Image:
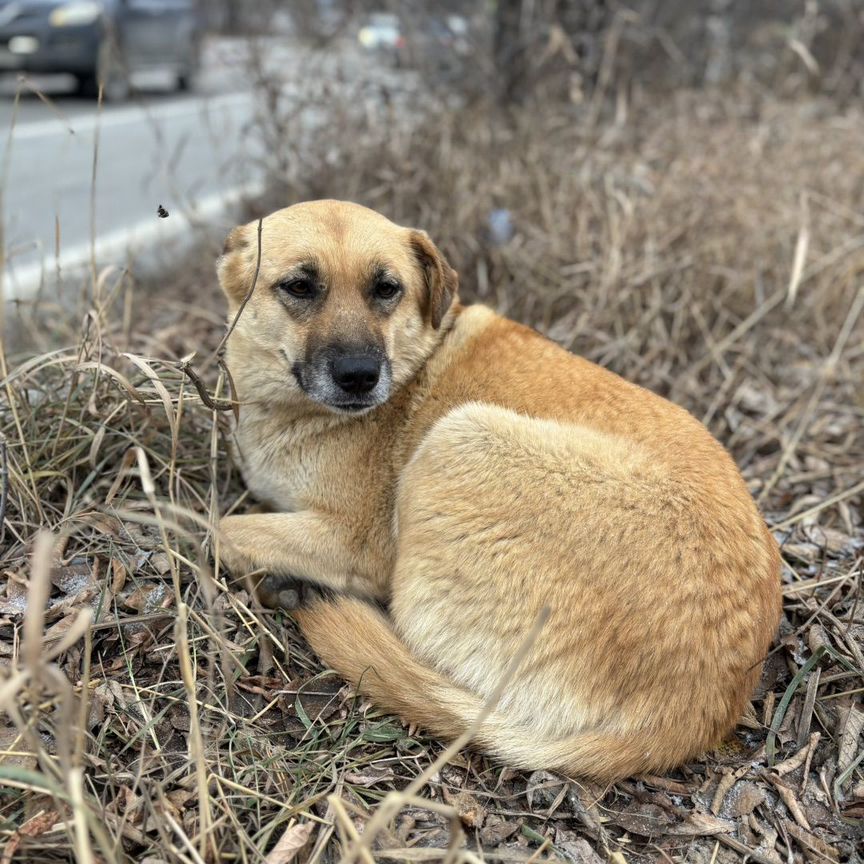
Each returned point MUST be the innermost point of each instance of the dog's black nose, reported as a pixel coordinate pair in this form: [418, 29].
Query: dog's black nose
[356, 374]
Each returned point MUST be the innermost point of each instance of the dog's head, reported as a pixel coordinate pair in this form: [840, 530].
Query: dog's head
[346, 306]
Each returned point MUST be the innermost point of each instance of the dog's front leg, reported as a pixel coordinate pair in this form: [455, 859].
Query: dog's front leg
[307, 546]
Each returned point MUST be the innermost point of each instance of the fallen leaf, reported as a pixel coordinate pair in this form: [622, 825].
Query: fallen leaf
[290, 843]
[576, 848]
[369, 776]
[830, 539]
[101, 699]
[118, 576]
[807, 552]
[75, 577]
[179, 797]
[161, 563]
[744, 798]
[146, 598]
[102, 523]
[471, 813]
[59, 629]
[543, 789]
[33, 827]
[811, 841]
[127, 804]
[15, 601]
[496, 831]
[851, 724]
[179, 717]
[793, 805]
[702, 824]
[853, 810]
[322, 700]
[727, 781]
[757, 400]
[646, 820]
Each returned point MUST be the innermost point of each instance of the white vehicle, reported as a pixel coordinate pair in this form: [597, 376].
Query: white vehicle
[382, 34]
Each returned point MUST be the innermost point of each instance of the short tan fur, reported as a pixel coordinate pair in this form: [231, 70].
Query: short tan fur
[486, 474]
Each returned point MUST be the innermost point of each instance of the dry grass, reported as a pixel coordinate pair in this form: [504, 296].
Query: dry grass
[710, 248]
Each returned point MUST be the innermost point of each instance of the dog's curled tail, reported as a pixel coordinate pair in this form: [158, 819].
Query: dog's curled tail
[356, 640]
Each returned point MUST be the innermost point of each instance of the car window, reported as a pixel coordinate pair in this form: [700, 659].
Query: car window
[161, 5]
[390, 22]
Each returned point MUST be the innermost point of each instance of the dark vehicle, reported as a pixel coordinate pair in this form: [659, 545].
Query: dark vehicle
[104, 41]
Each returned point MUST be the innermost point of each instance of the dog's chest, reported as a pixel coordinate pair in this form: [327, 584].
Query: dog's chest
[303, 467]
[278, 481]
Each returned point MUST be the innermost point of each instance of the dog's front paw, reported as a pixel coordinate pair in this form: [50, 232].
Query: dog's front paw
[285, 592]
[233, 553]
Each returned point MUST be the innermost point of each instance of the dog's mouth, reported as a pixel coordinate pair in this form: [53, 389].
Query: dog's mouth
[353, 407]
[340, 406]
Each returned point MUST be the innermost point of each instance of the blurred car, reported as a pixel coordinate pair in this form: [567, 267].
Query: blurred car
[101, 40]
[382, 35]
[445, 44]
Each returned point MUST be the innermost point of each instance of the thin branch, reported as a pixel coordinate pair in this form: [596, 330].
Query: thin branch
[221, 347]
[187, 369]
[4, 486]
[213, 404]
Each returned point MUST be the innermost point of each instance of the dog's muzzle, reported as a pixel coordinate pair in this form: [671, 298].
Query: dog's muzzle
[350, 383]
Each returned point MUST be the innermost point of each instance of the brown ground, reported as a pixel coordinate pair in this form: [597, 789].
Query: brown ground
[711, 248]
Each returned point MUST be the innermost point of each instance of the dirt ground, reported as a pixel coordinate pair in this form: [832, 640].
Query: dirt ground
[712, 251]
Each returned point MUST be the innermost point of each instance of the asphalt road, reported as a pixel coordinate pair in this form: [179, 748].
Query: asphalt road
[189, 154]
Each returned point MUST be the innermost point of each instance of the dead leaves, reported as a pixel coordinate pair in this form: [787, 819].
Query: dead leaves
[290, 843]
[370, 775]
[810, 841]
[469, 810]
[33, 827]
[788, 797]
[642, 818]
[851, 724]
[13, 749]
[577, 849]
[729, 800]
[105, 698]
[148, 597]
[745, 798]
[701, 825]
[74, 585]
[496, 831]
[85, 585]
[853, 809]
[654, 814]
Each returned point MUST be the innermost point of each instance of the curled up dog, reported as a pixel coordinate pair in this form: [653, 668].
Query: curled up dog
[462, 472]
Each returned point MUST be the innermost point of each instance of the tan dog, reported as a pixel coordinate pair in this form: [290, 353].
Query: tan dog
[468, 472]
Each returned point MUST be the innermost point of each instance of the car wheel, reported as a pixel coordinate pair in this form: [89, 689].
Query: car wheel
[86, 85]
[187, 78]
[110, 72]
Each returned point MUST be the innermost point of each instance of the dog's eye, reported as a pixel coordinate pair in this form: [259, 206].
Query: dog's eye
[301, 288]
[387, 290]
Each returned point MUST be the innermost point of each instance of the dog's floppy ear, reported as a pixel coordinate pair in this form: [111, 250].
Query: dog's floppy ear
[231, 266]
[441, 279]
[235, 240]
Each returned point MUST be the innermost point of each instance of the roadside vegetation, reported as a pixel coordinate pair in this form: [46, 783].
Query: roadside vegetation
[706, 243]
